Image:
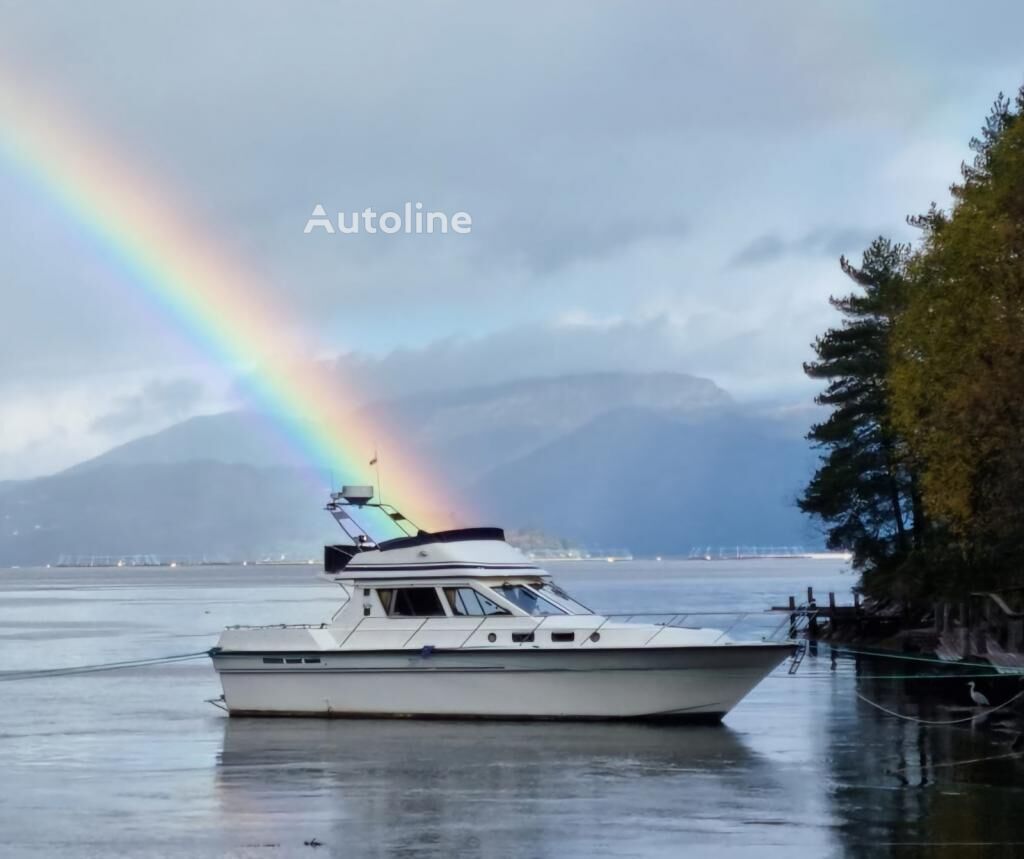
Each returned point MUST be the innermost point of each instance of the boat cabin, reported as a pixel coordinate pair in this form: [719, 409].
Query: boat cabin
[463, 572]
[522, 597]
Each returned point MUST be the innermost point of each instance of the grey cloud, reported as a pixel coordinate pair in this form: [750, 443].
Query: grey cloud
[546, 245]
[569, 134]
[709, 345]
[818, 242]
[608, 154]
[762, 249]
[159, 400]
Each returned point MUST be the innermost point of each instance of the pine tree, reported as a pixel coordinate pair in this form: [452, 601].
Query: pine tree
[863, 490]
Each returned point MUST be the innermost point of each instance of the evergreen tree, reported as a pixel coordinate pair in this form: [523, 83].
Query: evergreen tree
[863, 490]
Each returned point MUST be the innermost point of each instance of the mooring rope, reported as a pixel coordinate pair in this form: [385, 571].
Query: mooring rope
[971, 718]
[961, 762]
[71, 670]
[882, 654]
[817, 675]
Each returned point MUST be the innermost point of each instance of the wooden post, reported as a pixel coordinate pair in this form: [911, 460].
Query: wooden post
[792, 617]
[812, 615]
[982, 628]
[1015, 636]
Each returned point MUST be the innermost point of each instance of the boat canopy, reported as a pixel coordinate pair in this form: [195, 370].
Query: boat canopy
[458, 551]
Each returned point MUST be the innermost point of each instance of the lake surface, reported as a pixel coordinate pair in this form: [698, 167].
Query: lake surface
[134, 763]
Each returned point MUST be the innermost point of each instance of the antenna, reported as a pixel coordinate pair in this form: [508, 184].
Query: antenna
[375, 462]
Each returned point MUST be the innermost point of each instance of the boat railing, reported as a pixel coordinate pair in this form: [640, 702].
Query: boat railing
[766, 625]
[324, 625]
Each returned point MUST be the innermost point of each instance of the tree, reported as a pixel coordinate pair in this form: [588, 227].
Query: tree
[958, 357]
[863, 489]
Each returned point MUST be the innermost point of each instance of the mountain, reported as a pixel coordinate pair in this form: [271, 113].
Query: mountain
[233, 438]
[653, 462]
[658, 484]
[169, 509]
[473, 431]
[467, 431]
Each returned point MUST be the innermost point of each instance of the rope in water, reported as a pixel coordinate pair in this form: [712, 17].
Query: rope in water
[982, 714]
[882, 654]
[72, 670]
[961, 762]
[819, 674]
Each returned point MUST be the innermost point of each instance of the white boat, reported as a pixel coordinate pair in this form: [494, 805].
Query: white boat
[459, 624]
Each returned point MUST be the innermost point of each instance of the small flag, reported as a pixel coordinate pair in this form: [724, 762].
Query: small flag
[374, 460]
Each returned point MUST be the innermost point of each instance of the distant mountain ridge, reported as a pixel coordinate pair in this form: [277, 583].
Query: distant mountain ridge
[666, 486]
[508, 420]
[653, 462]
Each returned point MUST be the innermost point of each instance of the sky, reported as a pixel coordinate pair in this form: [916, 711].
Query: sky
[652, 186]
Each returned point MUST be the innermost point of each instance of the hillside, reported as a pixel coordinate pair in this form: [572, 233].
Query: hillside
[658, 484]
[656, 463]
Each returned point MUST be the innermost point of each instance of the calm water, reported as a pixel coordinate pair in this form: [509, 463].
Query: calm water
[134, 763]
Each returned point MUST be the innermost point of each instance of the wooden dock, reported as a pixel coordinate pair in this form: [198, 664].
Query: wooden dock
[984, 627]
[809, 618]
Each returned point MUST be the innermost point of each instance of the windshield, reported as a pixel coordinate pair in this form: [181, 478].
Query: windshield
[467, 602]
[529, 601]
[554, 593]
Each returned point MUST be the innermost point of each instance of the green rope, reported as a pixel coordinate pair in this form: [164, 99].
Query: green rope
[888, 654]
[990, 676]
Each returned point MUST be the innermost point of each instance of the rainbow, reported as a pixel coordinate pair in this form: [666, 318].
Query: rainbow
[219, 302]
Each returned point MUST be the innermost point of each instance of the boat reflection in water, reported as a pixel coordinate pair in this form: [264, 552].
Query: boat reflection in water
[486, 788]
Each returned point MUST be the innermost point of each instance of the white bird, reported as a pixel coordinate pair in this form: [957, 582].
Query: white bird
[977, 697]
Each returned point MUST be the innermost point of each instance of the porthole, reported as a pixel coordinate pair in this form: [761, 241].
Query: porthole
[595, 636]
[491, 637]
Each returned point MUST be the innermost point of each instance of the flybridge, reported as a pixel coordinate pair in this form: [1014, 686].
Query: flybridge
[416, 551]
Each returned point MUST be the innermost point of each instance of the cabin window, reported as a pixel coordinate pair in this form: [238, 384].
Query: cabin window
[529, 601]
[563, 636]
[385, 595]
[416, 602]
[554, 593]
[466, 602]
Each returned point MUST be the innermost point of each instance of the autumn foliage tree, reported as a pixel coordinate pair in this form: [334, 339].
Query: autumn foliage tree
[957, 373]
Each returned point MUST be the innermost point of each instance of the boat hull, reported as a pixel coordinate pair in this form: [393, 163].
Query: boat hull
[696, 684]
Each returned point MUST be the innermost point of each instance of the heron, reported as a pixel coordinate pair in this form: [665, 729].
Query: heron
[977, 697]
